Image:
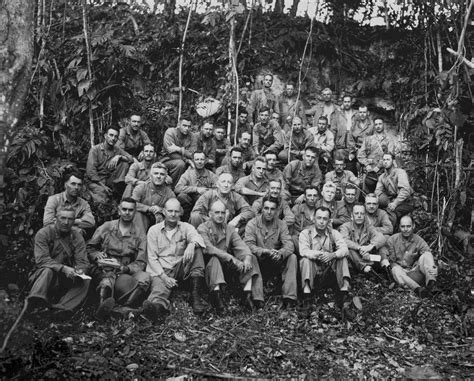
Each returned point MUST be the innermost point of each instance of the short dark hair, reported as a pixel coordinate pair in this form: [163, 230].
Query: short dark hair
[270, 152]
[350, 186]
[68, 174]
[159, 165]
[235, 149]
[311, 187]
[322, 117]
[313, 149]
[275, 200]
[323, 209]
[358, 204]
[115, 128]
[264, 109]
[260, 159]
[339, 155]
[389, 153]
[129, 200]
[199, 152]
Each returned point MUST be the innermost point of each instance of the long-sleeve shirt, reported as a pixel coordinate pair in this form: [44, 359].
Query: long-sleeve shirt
[250, 182]
[137, 172]
[360, 129]
[406, 252]
[360, 236]
[380, 221]
[330, 241]
[343, 213]
[129, 249]
[206, 145]
[323, 140]
[289, 107]
[340, 126]
[261, 98]
[298, 176]
[283, 211]
[98, 159]
[132, 143]
[304, 217]
[236, 173]
[54, 250]
[81, 207]
[373, 147]
[299, 141]
[395, 184]
[320, 109]
[187, 143]
[267, 137]
[235, 204]
[192, 179]
[222, 240]
[347, 177]
[260, 237]
[166, 249]
[148, 194]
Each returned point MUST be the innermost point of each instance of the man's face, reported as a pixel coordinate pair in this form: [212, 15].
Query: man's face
[158, 176]
[245, 140]
[309, 158]
[127, 211]
[184, 126]
[73, 186]
[268, 81]
[347, 103]
[275, 116]
[297, 125]
[328, 194]
[217, 213]
[290, 89]
[363, 113]
[135, 122]
[378, 125]
[199, 160]
[406, 227]
[322, 125]
[371, 204]
[269, 211]
[236, 159]
[321, 219]
[111, 137]
[172, 212]
[274, 189]
[271, 159]
[358, 214]
[258, 169]
[243, 118]
[264, 117]
[65, 221]
[350, 196]
[387, 161]
[148, 153]
[310, 197]
[207, 130]
[219, 134]
[327, 96]
[224, 183]
[339, 166]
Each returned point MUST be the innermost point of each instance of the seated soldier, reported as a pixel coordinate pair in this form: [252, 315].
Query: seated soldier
[60, 257]
[234, 166]
[222, 144]
[291, 105]
[132, 138]
[269, 240]
[284, 211]
[297, 139]
[194, 182]
[378, 218]
[340, 176]
[394, 190]
[300, 174]
[344, 207]
[413, 265]
[362, 126]
[304, 214]
[205, 143]
[248, 153]
[124, 280]
[239, 211]
[151, 197]
[107, 165]
[273, 173]
[328, 199]
[363, 240]
[174, 253]
[267, 134]
[323, 256]
[225, 248]
[178, 147]
[244, 126]
[254, 185]
[324, 142]
[84, 219]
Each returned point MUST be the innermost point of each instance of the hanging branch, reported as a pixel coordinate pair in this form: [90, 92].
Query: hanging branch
[181, 58]
[458, 53]
[244, 30]
[235, 78]
[300, 79]
[89, 67]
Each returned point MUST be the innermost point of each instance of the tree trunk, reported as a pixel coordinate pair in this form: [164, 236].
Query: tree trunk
[16, 54]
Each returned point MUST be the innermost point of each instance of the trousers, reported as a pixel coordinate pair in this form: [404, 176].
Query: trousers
[288, 268]
[311, 270]
[424, 270]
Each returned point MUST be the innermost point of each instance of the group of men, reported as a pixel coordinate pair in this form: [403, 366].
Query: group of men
[278, 205]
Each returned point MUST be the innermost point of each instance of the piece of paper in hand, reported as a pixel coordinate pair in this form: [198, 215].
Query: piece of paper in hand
[375, 257]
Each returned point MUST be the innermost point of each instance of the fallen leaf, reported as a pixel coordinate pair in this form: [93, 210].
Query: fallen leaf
[357, 303]
[132, 367]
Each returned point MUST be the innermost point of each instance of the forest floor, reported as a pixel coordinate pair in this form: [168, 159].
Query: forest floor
[394, 334]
